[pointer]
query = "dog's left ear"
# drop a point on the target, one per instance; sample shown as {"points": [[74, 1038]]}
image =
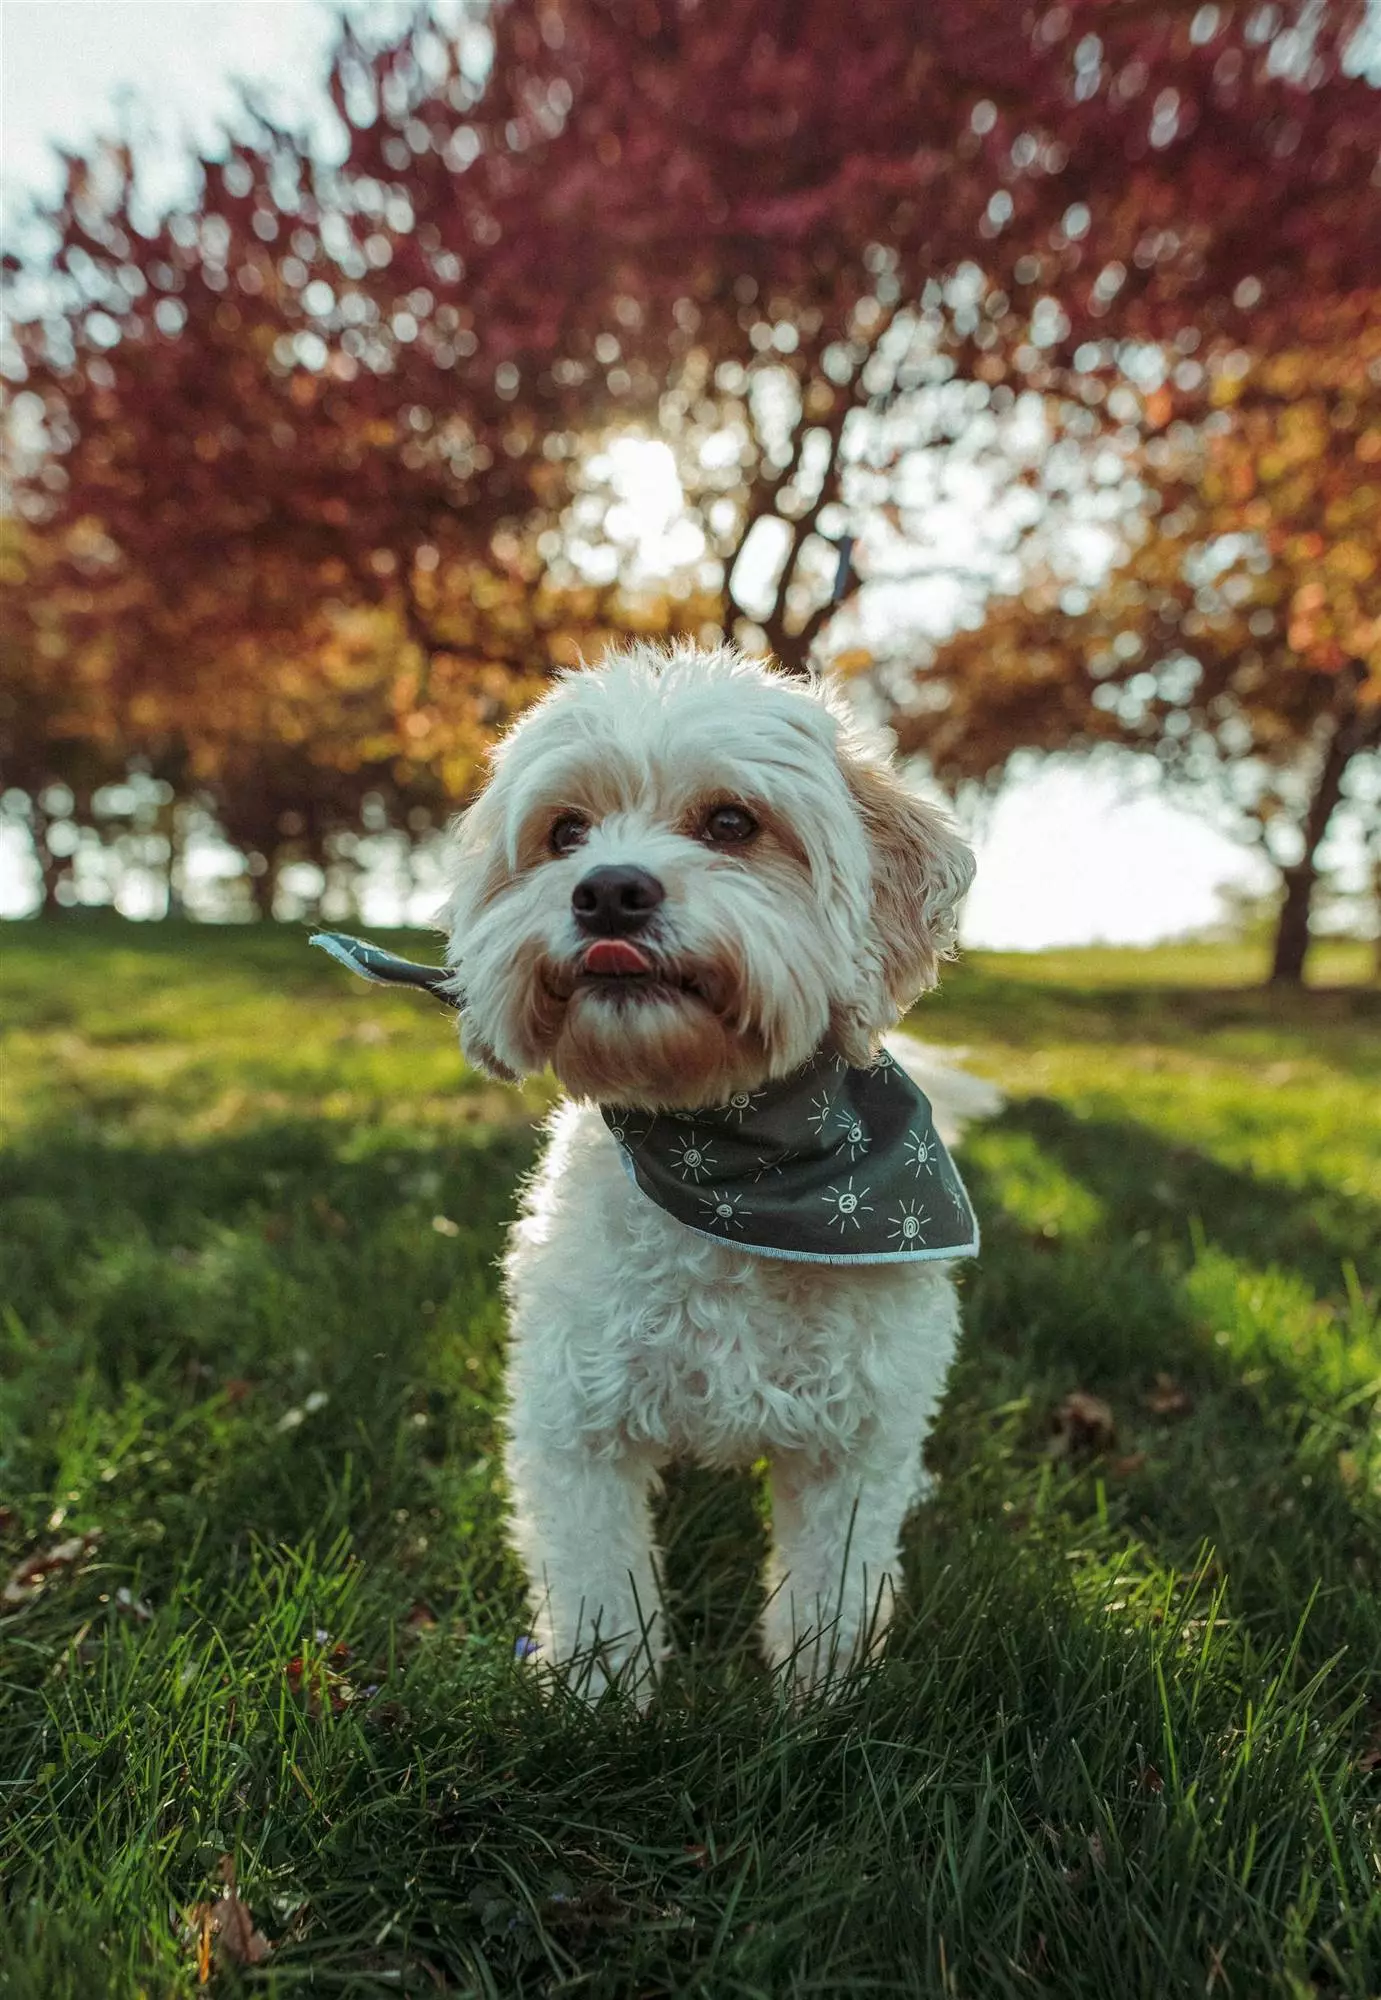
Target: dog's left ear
{"points": [[921, 872]]}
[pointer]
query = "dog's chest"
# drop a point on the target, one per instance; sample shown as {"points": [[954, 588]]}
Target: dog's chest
{"points": [[722, 1373], [723, 1356]]}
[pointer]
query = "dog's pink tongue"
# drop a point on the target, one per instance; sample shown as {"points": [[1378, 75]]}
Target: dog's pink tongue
{"points": [[615, 956]]}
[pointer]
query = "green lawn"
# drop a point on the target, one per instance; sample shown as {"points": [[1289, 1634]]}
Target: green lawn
{"points": [[1127, 1739]]}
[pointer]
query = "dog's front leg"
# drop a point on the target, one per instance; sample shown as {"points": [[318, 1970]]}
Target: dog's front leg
{"points": [[836, 1567], [582, 1524]]}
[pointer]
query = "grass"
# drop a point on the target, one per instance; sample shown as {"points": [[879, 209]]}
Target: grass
{"points": [[1127, 1740]]}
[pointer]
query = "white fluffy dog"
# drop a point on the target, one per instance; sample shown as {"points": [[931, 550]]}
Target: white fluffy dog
{"points": [[687, 886]]}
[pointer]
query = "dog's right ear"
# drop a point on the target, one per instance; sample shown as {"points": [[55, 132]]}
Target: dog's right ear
{"points": [[922, 869]]}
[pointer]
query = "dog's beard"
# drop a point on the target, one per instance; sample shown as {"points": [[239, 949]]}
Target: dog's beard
{"points": [[691, 1032], [674, 1037]]}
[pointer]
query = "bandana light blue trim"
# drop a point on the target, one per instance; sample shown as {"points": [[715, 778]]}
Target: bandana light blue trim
{"points": [[832, 1165]]}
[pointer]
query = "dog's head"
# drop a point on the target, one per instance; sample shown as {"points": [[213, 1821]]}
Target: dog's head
{"points": [[684, 877]]}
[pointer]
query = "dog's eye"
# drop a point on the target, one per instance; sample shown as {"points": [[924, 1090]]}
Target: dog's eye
{"points": [[728, 826], [568, 833]]}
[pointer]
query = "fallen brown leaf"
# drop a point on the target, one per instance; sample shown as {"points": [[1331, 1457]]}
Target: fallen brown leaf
{"points": [[29, 1576], [1166, 1398], [1082, 1425], [1123, 1468], [225, 1927], [329, 1218], [1150, 1780]]}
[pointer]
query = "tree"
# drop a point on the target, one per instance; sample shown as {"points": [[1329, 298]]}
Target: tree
{"points": [[1239, 637]]}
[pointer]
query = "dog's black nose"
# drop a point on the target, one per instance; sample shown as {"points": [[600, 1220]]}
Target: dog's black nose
{"points": [[611, 902]]}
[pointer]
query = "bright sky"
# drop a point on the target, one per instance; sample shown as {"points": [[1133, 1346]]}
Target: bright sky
{"points": [[73, 67], [1066, 857]]}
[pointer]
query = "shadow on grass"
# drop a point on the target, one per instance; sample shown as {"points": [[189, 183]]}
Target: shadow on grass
{"points": [[713, 1532], [1146, 1184]]}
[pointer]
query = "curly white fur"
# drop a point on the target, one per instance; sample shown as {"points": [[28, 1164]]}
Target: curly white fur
{"points": [[634, 1340]]}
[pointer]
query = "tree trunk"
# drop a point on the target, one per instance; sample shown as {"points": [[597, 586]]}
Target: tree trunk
{"points": [[1292, 930], [261, 890], [49, 867], [177, 847]]}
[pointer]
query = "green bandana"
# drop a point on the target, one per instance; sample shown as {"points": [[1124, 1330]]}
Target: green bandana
{"points": [[832, 1165]]}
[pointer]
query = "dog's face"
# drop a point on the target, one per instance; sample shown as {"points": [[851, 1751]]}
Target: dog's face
{"points": [[682, 880]]}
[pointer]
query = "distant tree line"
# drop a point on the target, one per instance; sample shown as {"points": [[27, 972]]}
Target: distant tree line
{"points": [[1025, 364]]}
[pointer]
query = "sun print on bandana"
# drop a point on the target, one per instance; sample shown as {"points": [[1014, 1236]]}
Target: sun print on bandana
{"points": [[724, 1209], [740, 1104], [908, 1223], [632, 1129], [849, 1206], [695, 1161], [822, 1111], [922, 1152], [853, 1134]]}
